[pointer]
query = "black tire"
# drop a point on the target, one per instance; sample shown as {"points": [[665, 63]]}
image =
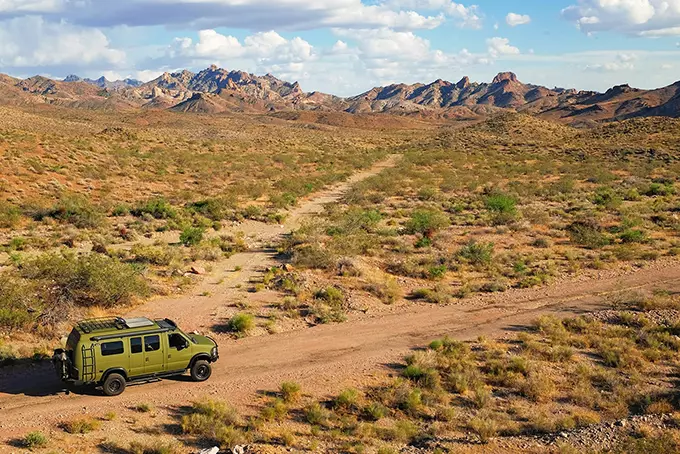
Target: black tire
{"points": [[114, 384], [201, 370]]}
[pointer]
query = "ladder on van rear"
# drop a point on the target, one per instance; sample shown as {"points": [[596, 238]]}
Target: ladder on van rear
{"points": [[89, 363]]}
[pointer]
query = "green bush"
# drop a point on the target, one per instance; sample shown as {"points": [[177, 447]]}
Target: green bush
{"points": [[159, 208], [85, 280], [290, 391], [426, 222], [34, 440], [660, 189], [81, 425], [375, 411], [347, 399], [191, 236], [587, 233], [633, 236], [502, 206], [216, 209], [9, 215], [16, 297], [316, 414], [241, 323], [477, 254], [77, 210]]}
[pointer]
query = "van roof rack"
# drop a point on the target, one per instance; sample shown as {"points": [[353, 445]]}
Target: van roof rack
{"points": [[101, 323]]}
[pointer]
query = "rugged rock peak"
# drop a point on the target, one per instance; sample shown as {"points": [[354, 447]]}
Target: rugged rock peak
{"points": [[618, 89], [502, 77], [72, 78], [463, 83]]}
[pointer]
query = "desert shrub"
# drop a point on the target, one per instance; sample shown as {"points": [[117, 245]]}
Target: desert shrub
{"points": [[316, 414], [347, 399], [503, 207], [138, 447], [587, 233], [159, 208], [426, 222], [290, 391], [375, 411], [155, 255], [477, 254], [387, 290], [276, 410], [229, 437], [85, 280], [81, 425], [77, 210], [191, 236], [607, 198], [216, 209], [34, 440], [481, 396], [633, 236], [16, 297], [312, 256], [9, 215], [538, 387], [241, 323], [439, 295], [484, 426], [403, 431], [659, 189], [143, 407]]}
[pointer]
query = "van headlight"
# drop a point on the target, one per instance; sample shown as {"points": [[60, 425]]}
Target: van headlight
{"points": [[213, 352]]}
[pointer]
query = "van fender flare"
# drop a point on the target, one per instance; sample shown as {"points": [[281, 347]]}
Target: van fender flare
{"points": [[197, 357], [114, 370]]}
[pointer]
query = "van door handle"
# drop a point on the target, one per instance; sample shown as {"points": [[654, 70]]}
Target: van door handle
{"points": [[147, 360], [169, 356]]}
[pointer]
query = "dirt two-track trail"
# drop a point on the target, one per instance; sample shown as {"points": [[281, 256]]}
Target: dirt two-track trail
{"points": [[324, 358]]}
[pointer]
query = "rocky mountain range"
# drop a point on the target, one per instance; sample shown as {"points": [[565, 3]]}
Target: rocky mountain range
{"points": [[215, 90]]}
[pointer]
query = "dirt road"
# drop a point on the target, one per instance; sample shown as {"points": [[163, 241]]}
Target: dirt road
{"points": [[323, 359]]}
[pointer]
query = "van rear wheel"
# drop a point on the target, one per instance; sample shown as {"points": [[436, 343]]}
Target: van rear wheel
{"points": [[114, 384], [201, 370]]}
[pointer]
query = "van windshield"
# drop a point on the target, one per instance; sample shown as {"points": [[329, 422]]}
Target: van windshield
{"points": [[187, 336]]}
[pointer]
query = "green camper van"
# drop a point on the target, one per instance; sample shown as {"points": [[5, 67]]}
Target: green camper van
{"points": [[112, 352]]}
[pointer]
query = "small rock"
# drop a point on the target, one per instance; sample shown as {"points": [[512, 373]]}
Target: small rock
{"points": [[197, 270], [213, 450], [288, 267]]}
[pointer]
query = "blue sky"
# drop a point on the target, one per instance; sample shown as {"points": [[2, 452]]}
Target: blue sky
{"points": [[348, 46]]}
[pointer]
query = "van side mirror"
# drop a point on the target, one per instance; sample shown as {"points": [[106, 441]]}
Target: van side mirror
{"points": [[184, 344]]}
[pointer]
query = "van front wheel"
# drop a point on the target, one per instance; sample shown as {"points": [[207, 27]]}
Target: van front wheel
{"points": [[201, 370], [114, 384]]}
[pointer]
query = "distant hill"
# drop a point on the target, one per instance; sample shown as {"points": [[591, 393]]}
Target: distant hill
{"points": [[215, 90]]}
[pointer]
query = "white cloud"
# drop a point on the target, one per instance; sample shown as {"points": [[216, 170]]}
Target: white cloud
{"points": [[622, 62], [30, 6], [636, 17], [261, 47], [33, 42], [499, 47], [463, 16], [513, 19], [208, 14]]}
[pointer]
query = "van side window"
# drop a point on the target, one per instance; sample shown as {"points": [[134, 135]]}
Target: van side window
{"points": [[176, 340], [112, 348], [136, 345], [152, 343]]}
